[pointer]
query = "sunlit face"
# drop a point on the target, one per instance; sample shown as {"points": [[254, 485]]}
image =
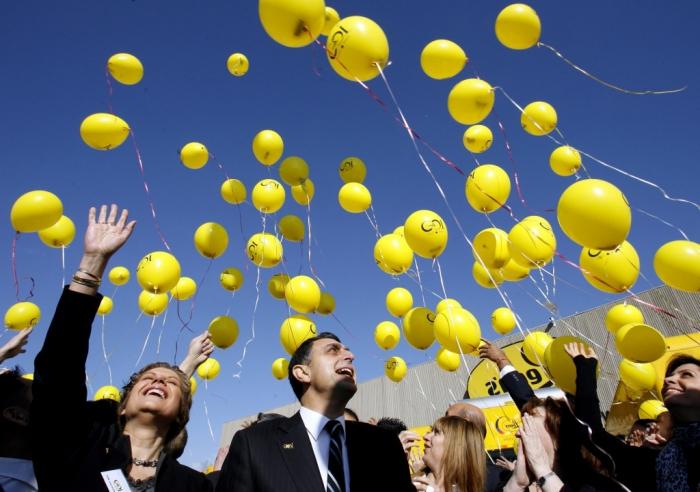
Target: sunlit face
{"points": [[434, 450], [331, 368], [157, 392], [682, 387]]}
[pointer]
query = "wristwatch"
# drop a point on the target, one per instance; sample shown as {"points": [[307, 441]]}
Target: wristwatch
{"points": [[540, 481]]}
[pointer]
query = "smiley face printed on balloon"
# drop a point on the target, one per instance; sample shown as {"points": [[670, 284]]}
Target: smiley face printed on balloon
{"points": [[612, 271], [426, 233]]}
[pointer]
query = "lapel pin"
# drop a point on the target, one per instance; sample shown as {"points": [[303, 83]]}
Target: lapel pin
{"points": [[288, 445]]}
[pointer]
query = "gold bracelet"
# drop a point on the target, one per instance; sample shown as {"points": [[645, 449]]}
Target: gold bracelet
{"points": [[91, 275], [86, 282]]}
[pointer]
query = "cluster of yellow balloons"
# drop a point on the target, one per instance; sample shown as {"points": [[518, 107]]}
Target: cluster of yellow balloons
{"points": [[42, 212]]}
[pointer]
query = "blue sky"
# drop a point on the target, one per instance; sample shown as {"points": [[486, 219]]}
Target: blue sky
{"points": [[54, 55]]}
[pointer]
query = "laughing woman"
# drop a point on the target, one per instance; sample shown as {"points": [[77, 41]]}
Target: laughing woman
{"points": [[81, 445]]}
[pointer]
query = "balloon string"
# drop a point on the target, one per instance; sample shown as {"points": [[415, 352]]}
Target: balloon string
{"points": [[422, 391], [110, 91], [219, 164], [145, 342], [239, 363], [186, 324], [420, 282], [308, 226], [104, 351], [13, 263], [442, 281], [608, 84], [374, 226], [162, 329], [678, 229], [230, 306], [206, 411], [147, 190]]}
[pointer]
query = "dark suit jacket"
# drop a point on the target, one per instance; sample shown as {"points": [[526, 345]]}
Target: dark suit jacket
{"points": [[518, 388], [276, 456]]}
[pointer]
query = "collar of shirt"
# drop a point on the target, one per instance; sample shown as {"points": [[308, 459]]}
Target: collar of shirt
{"points": [[315, 422], [18, 470]]}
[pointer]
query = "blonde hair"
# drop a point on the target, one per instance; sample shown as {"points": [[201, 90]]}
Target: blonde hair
{"points": [[463, 460]]}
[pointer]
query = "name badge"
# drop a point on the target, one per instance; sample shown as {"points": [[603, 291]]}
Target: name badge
{"points": [[115, 481]]}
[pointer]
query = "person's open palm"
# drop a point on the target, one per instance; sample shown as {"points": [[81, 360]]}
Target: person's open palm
{"points": [[575, 348], [104, 234]]}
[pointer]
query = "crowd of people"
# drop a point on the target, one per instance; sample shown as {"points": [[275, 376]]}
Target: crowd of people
{"points": [[53, 438]]}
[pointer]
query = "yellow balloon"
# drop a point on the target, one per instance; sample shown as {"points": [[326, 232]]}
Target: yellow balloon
{"points": [[514, 271], [304, 193], [352, 170], [280, 368], [277, 284], [487, 188], [233, 191], [231, 279], [482, 277], [264, 250], [477, 139], [194, 155], [538, 118], [108, 393], [152, 304], [355, 47], [158, 272], [29, 376], [104, 131], [518, 27], [294, 170], [534, 346], [532, 242], [387, 335], [621, 315], [470, 101], [594, 214], [418, 328], [193, 385], [209, 369], [503, 320], [331, 19], [640, 343], [211, 240], [302, 294], [292, 23], [105, 306], [426, 233], [354, 198], [560, 365], [292, 228], [399, 301], [268, 147], [457, 330], [447, 360], [224, 331], [327, 304], [237, 64], [399, 231], [395, 369], [651, 409], [184, 289], [565, 160], [447, 304], [637, 376], [613, 271], [295, 330], [392, 254], [491, 245], [59, 235], [268, 196], [677, 264], [442, 59], [125, 68], [22, 315], [35, 210], [119, 275]]}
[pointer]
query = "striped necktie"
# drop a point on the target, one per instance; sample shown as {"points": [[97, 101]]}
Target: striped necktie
{"points": [[336, 475]]}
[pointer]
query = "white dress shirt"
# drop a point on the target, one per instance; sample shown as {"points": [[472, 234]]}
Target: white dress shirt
{"points": [[17, 475], [321, 443], [506, 370]]}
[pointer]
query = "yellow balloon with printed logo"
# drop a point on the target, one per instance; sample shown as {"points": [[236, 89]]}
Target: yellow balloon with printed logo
{"points": [[22, 315], [442, 59], [355, 47], [532, 241], [538, 118], [302, 294], [264, 250], [491, 245], [107, 393], [447, 360], [277, 284], [105, 307], [399, 301], [426, 233], [184, 289], [35, 210], [209, 369], [304, 193], [640, 343], [518, 27], [418, 327], [327, 304], [59, 235], [194, 155], [487, 278], [621, 315], [565, 160], [594, 214], [352, 170], [446, 305], [104, 131], [638, 376], [387, 335], [477, 139], [292, 228], [470, 101], [158, 272], [331, 19], [268, 147], [513, 271], [487, 188], [125, 68], [395, 369], [294, 170], [119, 275], [211, 240], [295, 330], [354, 198], [457, 330], [231, 279], [534, 346], [268, 196], [392, 254], [237, 64], [233, 191], [224, 331], [292, 23], [651, 409], [280, 368], [677, 264], [613, 271], [152, 304], [503, 320]]}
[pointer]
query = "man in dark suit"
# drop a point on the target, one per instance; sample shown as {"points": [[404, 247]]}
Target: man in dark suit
{"points": [[316, 450]]}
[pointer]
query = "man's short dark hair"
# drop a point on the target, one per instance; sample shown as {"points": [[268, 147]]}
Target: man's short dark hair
{"points": [[302, 356], [396, 426], [679, 360]]}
